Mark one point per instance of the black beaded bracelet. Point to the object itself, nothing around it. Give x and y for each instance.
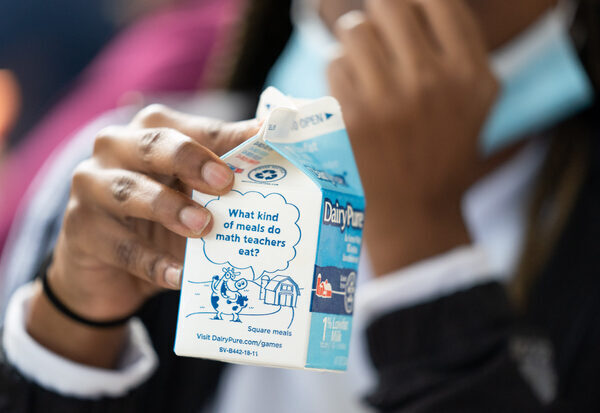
(43, 274)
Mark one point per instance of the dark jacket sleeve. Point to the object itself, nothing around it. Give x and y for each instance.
(178, 385)
(458, 354)
(18, 394)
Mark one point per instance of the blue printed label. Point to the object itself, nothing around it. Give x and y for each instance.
(327, 159)
(328, 342)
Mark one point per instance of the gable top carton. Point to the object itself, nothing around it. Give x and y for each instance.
(274, 281)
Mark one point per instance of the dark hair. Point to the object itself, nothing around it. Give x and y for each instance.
(566, 164)
(586, 36)
(266, 28)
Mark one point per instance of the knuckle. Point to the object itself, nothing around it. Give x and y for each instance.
(81, 176)
(213, 130)
(128, 222)
(216, 134)
(149, 141)
(184, 153)
(152, 115)
(127, 253)
(122, 188)
(152, 268)
(104, 139)
(236, 136)
(157, 203)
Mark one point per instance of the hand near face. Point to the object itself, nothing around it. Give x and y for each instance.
(415, 88)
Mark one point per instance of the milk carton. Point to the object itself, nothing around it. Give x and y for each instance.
(274, 282)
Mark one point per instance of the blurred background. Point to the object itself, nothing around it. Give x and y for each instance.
(64, 63)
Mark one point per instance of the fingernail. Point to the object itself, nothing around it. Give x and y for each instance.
(216, 175)
(173, 276)
(194, 218)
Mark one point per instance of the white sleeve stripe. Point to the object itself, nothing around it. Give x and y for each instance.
(66, 377)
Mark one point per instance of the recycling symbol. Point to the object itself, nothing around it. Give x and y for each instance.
(267, 173)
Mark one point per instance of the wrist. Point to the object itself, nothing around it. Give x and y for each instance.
(90, 289)
(403, 236)
(86, 305)
(74, 292)
(65, 310)
(70, 339)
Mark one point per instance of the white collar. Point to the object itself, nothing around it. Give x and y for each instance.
(495, 208)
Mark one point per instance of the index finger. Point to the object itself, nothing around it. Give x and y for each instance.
(218, 136)
(163, 152)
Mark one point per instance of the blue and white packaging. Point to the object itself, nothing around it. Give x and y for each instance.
(274, 282)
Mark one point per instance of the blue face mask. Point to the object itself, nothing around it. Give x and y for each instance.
(543, 81)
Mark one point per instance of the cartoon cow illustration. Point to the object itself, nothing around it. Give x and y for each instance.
(226, 297)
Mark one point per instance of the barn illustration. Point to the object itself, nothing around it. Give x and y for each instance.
(279, 290)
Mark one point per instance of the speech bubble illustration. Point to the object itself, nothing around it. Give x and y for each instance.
(252, 230)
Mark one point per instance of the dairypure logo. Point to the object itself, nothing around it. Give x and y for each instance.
(342, 217)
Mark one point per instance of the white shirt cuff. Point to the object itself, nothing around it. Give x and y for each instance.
(64, 376)
(456, 270)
